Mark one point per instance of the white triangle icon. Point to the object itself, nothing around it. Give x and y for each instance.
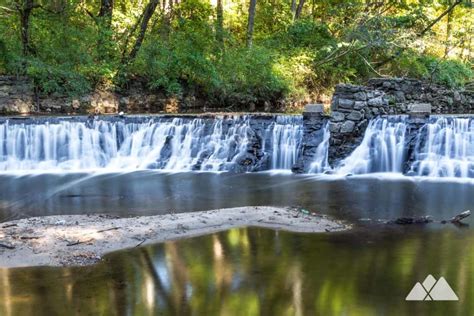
(441, 291)
(417, 293)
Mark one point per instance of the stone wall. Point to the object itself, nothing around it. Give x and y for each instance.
(356, 103)
(353, 106)
(16, 95)
(402, 92)
(351, 109)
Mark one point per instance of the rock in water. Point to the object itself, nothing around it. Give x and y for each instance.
(412, 220)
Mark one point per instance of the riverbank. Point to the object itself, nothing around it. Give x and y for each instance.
(76, 240)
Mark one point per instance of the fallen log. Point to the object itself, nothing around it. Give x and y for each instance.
(458, 218)
(7, 246)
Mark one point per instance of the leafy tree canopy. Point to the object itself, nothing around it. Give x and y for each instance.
(234, 51)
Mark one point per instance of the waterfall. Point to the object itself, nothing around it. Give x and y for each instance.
(177, 144)
(382, 148)
(445, 148)
(285, 136)
(320, 163)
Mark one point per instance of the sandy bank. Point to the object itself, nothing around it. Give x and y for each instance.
(83, 239)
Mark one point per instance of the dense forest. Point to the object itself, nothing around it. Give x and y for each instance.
(229, 51)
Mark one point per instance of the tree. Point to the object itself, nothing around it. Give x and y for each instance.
(251, 22)
(220, 24)
(103, 21)
(145, 19)
(293, 8)
(105, 28)
(447, 11)
(299, 9)
(25, 8)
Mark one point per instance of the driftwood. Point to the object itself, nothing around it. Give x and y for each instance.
(458, 218)
(29, 237)
(427, 219)
(10, 225)
(108, 229)
(78, 242)
(140, 243)
(7, 246)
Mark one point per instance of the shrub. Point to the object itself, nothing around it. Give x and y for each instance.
(452, 73)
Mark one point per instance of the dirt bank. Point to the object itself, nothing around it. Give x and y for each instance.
(83, 239)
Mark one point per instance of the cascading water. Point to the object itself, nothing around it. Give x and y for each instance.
(284, 137)
(382, 148)
(445, 148)
(320, 163)
(177, 144)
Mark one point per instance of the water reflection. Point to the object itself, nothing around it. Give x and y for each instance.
(256, 271)
(147, 193)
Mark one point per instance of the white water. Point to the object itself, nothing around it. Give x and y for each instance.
(446, 149)
(285, 136)
(382, 149)
(168, 144)
(320, 163)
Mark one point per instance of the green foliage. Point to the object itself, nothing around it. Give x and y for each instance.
(451, 73)
(57, 79)
(308, 33)
(248, 75)
(76, 50)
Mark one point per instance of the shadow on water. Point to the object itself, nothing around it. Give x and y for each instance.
(256, 272)
(149, 193)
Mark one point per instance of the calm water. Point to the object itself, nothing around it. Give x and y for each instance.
(251, 271)
(256, 272)
(149, 193)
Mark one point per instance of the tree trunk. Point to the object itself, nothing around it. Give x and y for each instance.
(25, 14)
(448, 34)
(448, 10)
(106, 9)
(146, 16)
(293, 8)
(251, 22)
(220, 24)
(104, 23)
(299, 9)
(469, 50)
(167, 16)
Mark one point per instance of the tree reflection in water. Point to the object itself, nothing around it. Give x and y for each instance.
(256, 272)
